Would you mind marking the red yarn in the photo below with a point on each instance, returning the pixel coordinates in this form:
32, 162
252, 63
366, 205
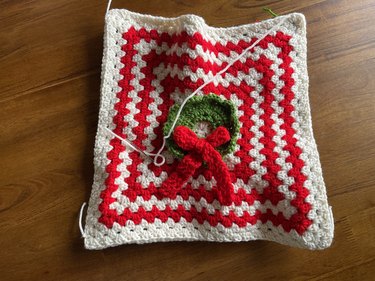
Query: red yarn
200, 150
298, 221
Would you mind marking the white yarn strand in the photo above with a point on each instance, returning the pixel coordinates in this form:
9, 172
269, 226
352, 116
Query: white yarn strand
158, 155
134, 147
108, 6
80, 220
125, 141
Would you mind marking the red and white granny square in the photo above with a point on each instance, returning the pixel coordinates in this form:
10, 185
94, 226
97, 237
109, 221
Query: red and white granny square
150, 65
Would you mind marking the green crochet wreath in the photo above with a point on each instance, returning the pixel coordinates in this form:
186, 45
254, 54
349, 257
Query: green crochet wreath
209, 108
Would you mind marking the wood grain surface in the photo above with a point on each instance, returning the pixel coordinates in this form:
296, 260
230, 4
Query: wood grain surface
50, 56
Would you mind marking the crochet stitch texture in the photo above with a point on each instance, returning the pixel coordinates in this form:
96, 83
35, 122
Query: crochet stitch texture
152, 63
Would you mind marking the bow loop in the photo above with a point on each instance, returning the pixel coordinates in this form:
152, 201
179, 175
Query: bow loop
218, 137
188, 140
185, 138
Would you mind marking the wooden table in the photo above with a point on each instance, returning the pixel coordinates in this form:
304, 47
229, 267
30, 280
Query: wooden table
50, 56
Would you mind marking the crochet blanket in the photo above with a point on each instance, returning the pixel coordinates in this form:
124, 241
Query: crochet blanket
242, 163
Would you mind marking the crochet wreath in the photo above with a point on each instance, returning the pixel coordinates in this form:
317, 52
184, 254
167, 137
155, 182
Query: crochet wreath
210, 108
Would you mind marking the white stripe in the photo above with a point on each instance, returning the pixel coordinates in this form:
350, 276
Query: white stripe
123, 202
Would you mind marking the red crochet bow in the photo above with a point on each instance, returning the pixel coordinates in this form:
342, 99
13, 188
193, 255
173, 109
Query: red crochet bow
200, 150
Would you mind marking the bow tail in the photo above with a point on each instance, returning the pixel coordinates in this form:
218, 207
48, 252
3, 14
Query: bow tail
185, 169
200, 150
220, 171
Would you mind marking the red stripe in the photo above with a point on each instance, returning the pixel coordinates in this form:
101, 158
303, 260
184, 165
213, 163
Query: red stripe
271, 191
199, 216
197, 193
298, 221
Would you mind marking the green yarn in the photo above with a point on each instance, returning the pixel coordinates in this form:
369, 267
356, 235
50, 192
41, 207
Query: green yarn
209, 108
273, 14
